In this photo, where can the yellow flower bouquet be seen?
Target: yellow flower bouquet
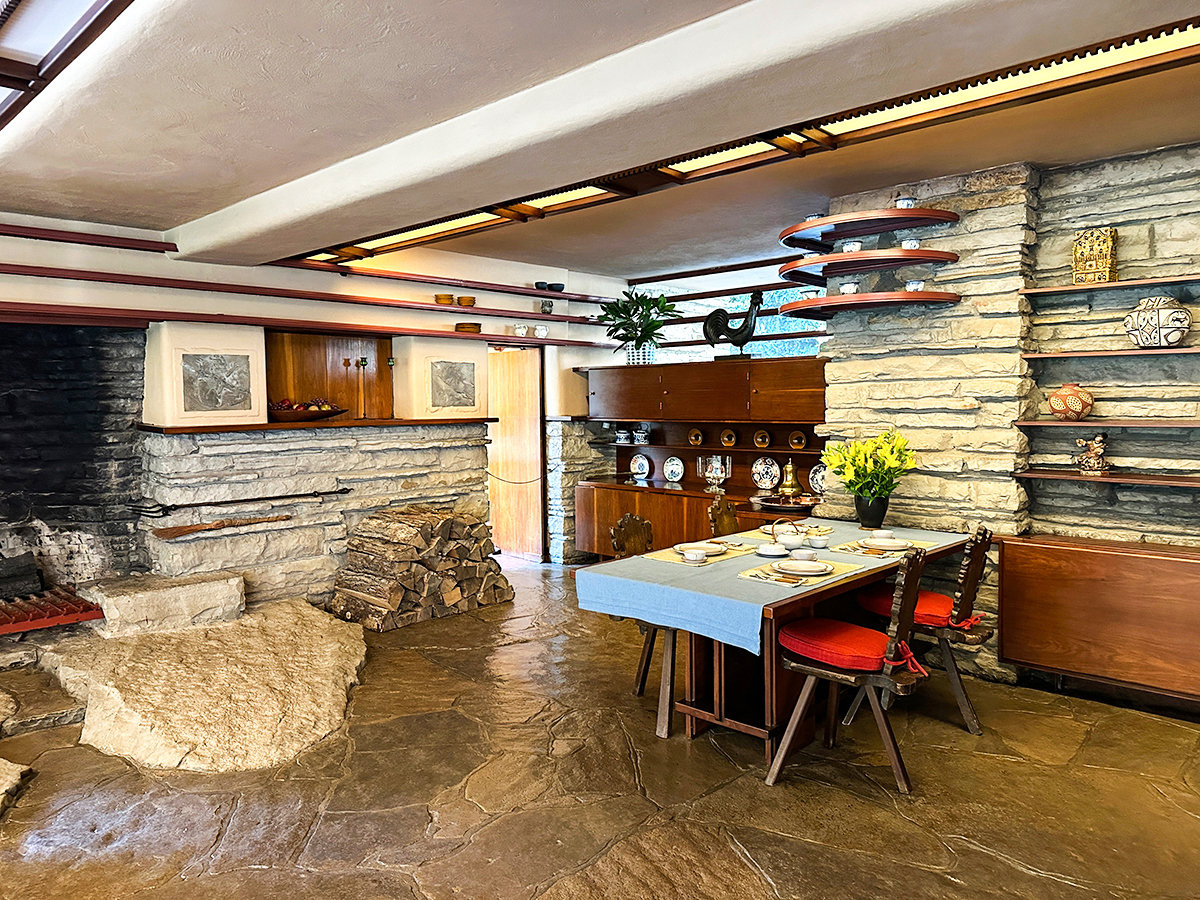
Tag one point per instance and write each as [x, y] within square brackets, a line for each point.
[870, 468]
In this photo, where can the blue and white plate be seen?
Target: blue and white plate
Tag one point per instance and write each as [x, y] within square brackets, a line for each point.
[816, 478]
[674, 469]
[640, 466]
[765, 473]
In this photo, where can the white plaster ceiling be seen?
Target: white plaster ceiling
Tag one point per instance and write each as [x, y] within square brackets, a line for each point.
[255, 130]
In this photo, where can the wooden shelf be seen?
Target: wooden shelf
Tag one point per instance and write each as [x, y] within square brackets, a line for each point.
[709, 450]
[1111, 423]
[296, 426]
[824, 307]
[834, 265]
[1110, 285]
[1192, 481]
[859, 224]
[1136, 351]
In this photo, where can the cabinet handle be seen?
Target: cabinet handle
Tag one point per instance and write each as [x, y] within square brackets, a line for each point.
[754, 390]
[666, 392]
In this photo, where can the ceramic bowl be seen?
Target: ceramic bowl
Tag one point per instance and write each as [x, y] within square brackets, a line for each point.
[819, 543]
[540, 285]
[556, 286]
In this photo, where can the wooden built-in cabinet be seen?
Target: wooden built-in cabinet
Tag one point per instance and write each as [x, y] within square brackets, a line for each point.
[302, 367]
[745, 396]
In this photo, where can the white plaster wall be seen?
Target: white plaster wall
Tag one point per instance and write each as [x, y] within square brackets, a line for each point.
[410, 377]
[162, 402]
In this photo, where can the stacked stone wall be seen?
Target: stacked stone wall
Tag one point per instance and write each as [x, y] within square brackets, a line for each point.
[1153, 200]
[571, 457]
[435, 465]
[69, 401]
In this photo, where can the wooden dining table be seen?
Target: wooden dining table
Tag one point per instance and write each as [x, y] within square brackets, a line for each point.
[733, 675]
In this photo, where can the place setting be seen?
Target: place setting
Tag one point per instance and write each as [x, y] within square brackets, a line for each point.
[702, 553]
[882, 543]
[797, 567]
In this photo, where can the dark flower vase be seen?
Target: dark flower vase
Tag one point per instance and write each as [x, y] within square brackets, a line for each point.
[871, 511]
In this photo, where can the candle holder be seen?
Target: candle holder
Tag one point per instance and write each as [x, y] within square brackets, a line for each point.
[714, 470]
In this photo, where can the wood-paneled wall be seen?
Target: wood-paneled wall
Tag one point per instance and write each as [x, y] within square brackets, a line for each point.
[305, 366]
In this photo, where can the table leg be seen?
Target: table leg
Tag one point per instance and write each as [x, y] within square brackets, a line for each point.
[666, 690]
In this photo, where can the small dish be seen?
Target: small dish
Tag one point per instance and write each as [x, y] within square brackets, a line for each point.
[818, 542]
[816, 478]
[673, 469]
[885, 544]
[797, 440]
[728, 437]
[802, 567]
[695, 437]
[708, 548]
[771, 549]
[443, 299]
[762, 439]
[640, 466]
[466, 301]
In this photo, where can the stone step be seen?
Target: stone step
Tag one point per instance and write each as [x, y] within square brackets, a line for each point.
[38, 702]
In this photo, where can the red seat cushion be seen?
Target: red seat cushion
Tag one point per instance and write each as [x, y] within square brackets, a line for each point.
[932, 608]
[836, 643]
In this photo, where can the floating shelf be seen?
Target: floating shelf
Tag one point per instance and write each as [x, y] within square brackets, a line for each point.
[1111, 423]
[1137, 351]
[710, 449]
[296, 426]
[832, 265]
[1192, 481]
[824, 307]
[1110, 285]
[859, 224]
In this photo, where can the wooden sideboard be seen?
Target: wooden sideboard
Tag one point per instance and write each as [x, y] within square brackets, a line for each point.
[1110, 611]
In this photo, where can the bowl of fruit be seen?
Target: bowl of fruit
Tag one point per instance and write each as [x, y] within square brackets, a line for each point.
[287, 411]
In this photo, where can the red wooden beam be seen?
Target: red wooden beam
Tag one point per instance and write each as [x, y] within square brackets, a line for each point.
[86, 237]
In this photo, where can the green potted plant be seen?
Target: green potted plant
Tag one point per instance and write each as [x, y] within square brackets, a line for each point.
[637, 320]
[870, 470]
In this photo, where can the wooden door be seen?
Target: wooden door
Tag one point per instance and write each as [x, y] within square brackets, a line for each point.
[787, 390]
[625, 393]
[717, 391]
[516, 457]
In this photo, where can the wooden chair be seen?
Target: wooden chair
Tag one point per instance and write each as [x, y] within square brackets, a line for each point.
[633, 536]
[946, 620]
[723, 516]
[853, 656]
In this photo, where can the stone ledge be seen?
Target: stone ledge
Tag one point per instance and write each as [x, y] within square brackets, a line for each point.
[138, 604]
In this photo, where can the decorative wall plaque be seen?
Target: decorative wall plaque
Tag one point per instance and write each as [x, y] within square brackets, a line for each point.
[215, 382]
[1093, 256]
[452, 384]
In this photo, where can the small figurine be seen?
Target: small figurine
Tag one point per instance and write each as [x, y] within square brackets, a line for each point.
[1092, 461]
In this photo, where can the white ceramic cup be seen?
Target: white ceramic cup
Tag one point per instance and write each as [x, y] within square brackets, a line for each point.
[803, 554]
[819, 543]
[905, 202]
[694, 555]
[910, 244]
[914, 285]
[882, 534]
[812, 218]
[521, 330]
[848, 287]
[851, 246]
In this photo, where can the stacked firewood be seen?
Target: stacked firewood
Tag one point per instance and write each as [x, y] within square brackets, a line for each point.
[409, 564]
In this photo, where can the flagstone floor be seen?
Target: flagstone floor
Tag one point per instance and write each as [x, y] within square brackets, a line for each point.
[502, 755]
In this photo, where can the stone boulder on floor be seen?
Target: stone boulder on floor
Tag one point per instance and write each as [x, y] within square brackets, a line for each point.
[241, 695]
[137, 604]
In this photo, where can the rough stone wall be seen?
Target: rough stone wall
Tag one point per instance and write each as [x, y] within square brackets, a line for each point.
[1153, 200]
[949, 377]
[69, 400]
[436, 465]
[570, 459]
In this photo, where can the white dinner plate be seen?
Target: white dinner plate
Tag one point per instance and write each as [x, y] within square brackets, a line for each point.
[802, 567]
[885, 544]
[709, 548]
[784, 528]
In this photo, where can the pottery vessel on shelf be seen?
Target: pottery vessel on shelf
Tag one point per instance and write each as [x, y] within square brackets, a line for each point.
[1071, 403]
[1158, 322]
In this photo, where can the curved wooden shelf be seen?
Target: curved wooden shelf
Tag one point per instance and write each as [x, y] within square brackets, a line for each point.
[824, 307]
[859, 224]
[1150, 478]
[832, 265]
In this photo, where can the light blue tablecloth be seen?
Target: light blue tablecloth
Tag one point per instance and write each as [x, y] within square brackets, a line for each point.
[711, 600]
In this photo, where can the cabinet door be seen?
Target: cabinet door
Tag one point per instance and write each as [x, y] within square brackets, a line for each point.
[626, 393]
[717, 391]
[787, 390]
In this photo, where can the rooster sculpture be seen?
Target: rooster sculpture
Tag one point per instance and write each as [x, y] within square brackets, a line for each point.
[716, 324]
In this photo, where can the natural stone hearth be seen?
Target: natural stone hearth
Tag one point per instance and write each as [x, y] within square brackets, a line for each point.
[13, 777]
[243, 695]
[413, 564]
[138, 604]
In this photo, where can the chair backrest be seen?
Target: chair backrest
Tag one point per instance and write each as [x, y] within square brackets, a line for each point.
[970, 573]
[631, 536]
[723, 516]
[904, 600]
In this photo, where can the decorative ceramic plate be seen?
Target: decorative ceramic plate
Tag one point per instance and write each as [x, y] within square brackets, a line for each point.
[728, 438]
[885, 544]
[816, 478]
[765, 473]
[674, 469]
[771, 550]
[640, 466]
[802, 567]
[797, 440]
[695, 437]
[709, 548]
[762, 439]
